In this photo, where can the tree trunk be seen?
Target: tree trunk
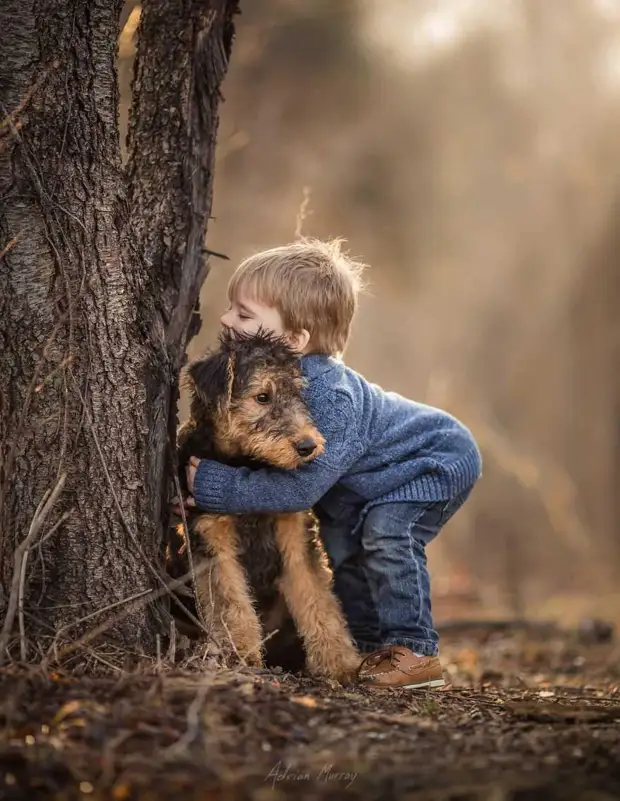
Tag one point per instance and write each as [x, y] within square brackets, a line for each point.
[181, 62]
[98, 281]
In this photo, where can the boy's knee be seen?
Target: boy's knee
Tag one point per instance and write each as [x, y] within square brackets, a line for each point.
[420, 520]
[389, 520]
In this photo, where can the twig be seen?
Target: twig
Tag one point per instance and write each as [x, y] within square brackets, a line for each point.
[20, 607]
[158, 652]
[107, 757]
[207, 252]
[5, 140]
[9, 120]
[177, 489]
[26, 406]
[98, 658]
[10, 245]
[40, 545]
[44, 508]
[193, 724]
[97, 612]
[172, 644]
[66, 361]
[56, 526]
[303, 211]
[207, 627]
[126, 526]
[131, 606]
[231, 641]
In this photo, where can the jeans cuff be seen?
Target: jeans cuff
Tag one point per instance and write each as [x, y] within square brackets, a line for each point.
[421, 647]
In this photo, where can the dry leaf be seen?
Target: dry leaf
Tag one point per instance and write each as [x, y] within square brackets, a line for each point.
[121, 792]
[304, 700]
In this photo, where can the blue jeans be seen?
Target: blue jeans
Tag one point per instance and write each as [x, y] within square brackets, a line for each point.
[380, 573]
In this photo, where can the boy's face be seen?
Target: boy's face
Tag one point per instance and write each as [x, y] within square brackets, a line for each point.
[247, 316]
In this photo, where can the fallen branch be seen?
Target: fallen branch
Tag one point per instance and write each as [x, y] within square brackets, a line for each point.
[17, 585]
[131, 605]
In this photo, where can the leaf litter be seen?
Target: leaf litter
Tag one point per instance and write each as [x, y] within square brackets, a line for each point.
[526, 718]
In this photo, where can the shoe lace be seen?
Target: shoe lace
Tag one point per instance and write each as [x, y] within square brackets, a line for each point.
[392, 652]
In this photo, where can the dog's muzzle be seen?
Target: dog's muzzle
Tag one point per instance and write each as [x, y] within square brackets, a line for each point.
[305, 447]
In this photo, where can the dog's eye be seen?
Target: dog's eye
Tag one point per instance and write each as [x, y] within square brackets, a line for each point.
[263, 398]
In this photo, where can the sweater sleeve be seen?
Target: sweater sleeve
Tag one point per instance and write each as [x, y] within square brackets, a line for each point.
[239, 490]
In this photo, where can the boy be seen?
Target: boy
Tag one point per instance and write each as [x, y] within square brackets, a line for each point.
[392, 473]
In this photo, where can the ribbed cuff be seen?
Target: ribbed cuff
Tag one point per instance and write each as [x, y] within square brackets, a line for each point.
[447, 482]
[463, 474]
[210, 484]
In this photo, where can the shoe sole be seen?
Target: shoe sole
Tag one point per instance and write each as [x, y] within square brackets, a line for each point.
[434, 684]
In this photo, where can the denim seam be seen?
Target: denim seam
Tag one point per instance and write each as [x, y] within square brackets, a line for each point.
[418, 595]
[424, 507]
[373, 595]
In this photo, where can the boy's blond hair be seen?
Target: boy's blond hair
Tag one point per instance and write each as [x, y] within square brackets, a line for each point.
[311, 283]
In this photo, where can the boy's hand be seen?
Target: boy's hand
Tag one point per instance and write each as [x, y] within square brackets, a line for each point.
[188, 501]
[190, 471]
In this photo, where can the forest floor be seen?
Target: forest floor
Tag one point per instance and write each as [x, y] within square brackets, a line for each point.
[533, 714]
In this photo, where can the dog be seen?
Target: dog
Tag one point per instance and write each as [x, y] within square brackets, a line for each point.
[247, 410]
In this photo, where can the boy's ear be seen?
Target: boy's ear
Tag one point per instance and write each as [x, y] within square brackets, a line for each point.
[212, 378]
[299, 341]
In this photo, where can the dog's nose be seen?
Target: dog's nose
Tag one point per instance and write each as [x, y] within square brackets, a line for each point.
[305, 447]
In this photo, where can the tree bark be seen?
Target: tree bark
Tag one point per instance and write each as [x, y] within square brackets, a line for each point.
[99, 276]
[181, 61]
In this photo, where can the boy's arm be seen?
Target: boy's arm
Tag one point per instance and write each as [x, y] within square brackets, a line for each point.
[239, 490]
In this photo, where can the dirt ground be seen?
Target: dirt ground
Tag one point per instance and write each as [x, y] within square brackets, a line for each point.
[532, 715]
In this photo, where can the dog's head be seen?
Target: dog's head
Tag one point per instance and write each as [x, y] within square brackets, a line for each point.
[250, 390]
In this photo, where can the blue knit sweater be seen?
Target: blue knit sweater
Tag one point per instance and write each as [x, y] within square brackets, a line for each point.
[380, 447]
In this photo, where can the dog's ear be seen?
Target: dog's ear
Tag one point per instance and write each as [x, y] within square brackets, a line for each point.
[212, 378]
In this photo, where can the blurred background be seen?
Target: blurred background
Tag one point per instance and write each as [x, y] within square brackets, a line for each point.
[468, 151]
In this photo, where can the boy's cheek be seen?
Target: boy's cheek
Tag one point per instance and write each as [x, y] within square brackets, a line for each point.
[241, 328]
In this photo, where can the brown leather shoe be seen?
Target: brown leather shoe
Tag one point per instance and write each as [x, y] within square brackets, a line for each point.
[397, 667]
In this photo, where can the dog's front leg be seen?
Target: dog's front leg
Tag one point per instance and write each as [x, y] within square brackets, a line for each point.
[223, 590]
[306, 586]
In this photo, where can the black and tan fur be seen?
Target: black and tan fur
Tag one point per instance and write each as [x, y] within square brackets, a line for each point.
[247, 410]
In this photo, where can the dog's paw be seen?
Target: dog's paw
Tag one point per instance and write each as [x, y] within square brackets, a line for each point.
[253, 659]
[341, 665]
[347, 672]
